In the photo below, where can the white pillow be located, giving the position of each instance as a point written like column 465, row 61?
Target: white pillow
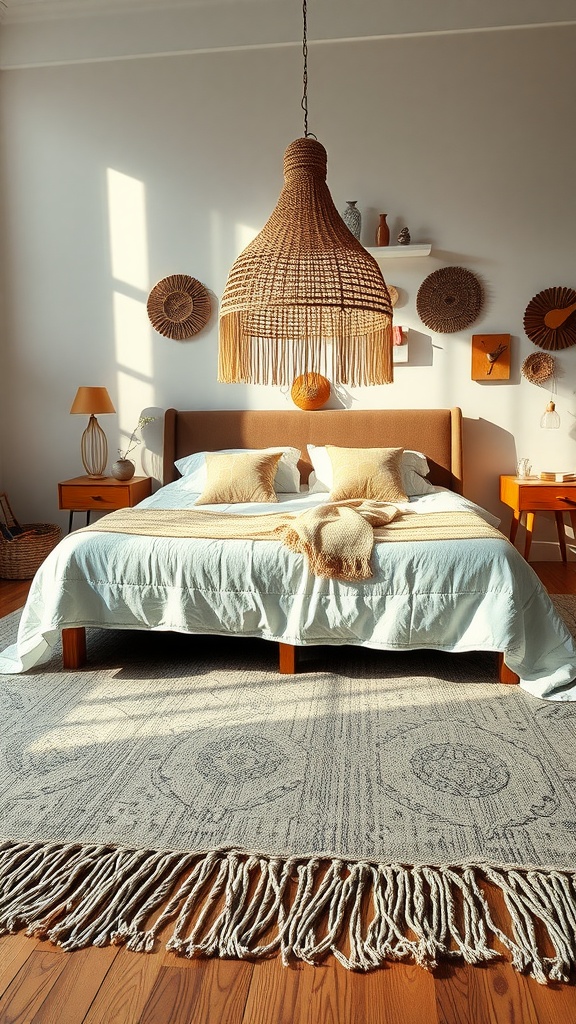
column 414, row 470
column 286, row 481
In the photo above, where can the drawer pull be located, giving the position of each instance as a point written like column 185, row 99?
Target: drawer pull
column 568, row 501
column 96, row 497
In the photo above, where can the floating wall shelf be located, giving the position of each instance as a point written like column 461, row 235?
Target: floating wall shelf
column 392, row 251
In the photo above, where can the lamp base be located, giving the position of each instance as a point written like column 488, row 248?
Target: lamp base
column 94, row 449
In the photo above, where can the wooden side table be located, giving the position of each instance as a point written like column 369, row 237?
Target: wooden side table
column 532, row 495
column 102, row 494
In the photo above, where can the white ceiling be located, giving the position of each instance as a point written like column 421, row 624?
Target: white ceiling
column 432, row 14
column 36, row 32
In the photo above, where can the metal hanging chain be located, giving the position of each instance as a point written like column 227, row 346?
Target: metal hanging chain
column 304, row 103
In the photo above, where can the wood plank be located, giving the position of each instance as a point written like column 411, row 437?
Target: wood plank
column 13, row 594
column 28, row 990
column 14, row 952
column 211, row 992
column 282, row 994
column 485, row 995
column 554, row 1004
column 125, row 989
column 71, row 996
column 395, row 994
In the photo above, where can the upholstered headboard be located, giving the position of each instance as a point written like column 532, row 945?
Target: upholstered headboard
column 436, row 432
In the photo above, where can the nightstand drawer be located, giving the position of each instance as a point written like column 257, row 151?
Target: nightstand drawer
column 550, row 498
column 83, row 494
column 93, row 497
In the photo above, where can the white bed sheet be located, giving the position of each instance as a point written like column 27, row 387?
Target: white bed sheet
column 458, row 595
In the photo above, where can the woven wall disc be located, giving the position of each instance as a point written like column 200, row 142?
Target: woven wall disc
column 538, row 367
column 449, row 299
column 310, row 391
column 178, row 307
column 393, row 293
column 550, row 301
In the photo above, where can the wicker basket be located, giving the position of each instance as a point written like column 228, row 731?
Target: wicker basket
column 23, row 548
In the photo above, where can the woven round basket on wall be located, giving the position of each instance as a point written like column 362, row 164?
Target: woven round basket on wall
column 310, row 391
column 538, row 367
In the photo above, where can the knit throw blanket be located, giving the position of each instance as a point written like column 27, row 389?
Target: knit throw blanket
column 337, row 538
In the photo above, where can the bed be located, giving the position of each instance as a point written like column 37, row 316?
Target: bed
column 442, row 594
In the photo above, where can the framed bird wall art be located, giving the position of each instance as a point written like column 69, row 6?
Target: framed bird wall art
column 490, row 357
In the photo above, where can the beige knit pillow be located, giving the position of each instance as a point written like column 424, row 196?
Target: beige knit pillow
column 236, row 478
column 371, row 473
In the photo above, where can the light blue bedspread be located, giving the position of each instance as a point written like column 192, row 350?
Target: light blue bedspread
column 460, row 595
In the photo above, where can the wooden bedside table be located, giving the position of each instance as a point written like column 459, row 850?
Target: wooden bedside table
column 103, row 494
column 532, row 495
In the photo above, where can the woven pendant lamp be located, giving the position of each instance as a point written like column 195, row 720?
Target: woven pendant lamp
column 305, row 296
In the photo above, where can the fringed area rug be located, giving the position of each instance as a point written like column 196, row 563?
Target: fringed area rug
column 363, row 808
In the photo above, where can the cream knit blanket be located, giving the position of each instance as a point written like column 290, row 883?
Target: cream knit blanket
column 337, row 538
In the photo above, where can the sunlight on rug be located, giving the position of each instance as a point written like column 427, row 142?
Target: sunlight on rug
column 360, row 809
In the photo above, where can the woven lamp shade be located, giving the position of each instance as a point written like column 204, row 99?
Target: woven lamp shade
column 305, row 295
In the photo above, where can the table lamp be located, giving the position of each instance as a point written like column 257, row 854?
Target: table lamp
column 94, row 446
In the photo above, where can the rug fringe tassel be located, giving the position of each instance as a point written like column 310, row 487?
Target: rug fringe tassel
column 232, row 904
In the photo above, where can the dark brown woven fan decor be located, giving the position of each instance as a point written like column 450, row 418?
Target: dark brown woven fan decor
column 550, row 318
column 178, row 307
column 449, row 300
column 305, row 295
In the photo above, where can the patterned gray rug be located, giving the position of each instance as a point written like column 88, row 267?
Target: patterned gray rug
column 268, row 810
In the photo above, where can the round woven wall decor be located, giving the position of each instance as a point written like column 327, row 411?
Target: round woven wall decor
column 178, row 306
column 393, row 293
column 549, row 320
column 449, row 299
column 310, row 391
column 538, row 367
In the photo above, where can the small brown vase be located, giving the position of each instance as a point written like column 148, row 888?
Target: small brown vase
column 382, row 231
column 123, row 469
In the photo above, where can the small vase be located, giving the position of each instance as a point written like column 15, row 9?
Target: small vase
column 382, row 231
column 353, row 218
column 123, row 469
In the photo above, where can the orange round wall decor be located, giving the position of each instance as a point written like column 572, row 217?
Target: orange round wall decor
column 310, row 391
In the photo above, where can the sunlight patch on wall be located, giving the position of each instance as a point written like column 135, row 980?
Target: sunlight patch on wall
column 127, row 225
column 129, row 265
column 133, row 342
column 244, row 235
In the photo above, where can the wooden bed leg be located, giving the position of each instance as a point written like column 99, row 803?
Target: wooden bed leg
column 74, row 647
column 505, row 675
column 287, row 659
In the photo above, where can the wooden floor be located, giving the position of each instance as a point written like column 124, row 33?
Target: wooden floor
column 42, row 985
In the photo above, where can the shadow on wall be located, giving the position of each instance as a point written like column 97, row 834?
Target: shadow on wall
column 152, row 445
column 489, row 450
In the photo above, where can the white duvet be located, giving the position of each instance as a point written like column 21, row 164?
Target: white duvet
column 457, row 595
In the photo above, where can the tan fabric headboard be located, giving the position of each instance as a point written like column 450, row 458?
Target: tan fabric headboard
column 436, row 432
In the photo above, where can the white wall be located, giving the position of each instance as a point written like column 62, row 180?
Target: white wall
column 116, row 174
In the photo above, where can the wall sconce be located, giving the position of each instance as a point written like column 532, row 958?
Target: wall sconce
column 94, row 446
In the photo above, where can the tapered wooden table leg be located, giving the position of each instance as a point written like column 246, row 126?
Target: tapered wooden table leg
column 74, row 647
column 514, row 525
column 561, row 535
column 529, row 532
column 505, row 674
column 287, row 659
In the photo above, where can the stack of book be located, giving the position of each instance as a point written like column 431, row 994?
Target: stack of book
column 557, row 478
